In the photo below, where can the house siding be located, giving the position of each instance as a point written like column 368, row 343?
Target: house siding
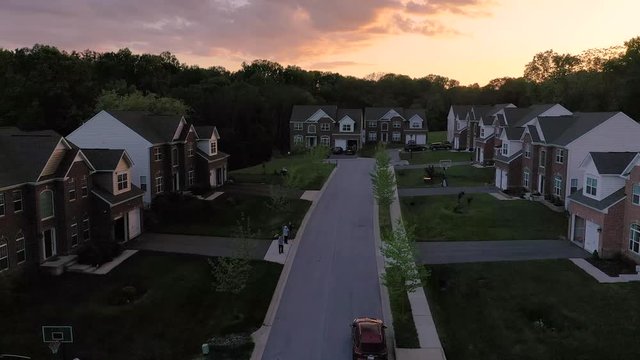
column 631, row 213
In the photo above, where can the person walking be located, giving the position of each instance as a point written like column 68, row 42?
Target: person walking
column 280, row 244
column 285, row 233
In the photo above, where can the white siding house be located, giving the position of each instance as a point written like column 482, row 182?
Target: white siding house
column 103, row 131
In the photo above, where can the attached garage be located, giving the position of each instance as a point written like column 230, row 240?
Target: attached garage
column 134, row 223
column 502, row 178
column 342, row 143
column 591, row 237
column 421, row 139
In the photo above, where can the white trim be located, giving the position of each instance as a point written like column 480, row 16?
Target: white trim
column 118, row 203
column 634, row 229
column 65, row 144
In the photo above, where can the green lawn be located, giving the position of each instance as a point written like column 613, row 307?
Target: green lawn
column 220, row 216
column 178, row 312
column 309, row 170
column 463, row 175
column 437, row 136
column 532, row 310
column 487, row 218
column 428, row 156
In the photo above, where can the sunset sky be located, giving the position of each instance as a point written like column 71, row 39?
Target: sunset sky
column 467, row 40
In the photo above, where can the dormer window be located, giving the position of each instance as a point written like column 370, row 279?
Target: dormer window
column 592, row 186
column 416, row 124
column 346, row 128
column 505, row 149
column 482, row 132
column 214, row 147
column 123, row 181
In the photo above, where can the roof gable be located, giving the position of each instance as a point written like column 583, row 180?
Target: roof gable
column 612, row 163
column 157, row 129
column 319, row 114
column 106, row 159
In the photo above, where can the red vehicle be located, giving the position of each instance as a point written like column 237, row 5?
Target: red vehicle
column 368, row 339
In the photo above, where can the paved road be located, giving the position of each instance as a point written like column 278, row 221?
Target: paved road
column 197, row 245
column 447, row 252
column 446, row 190
column 333, row 278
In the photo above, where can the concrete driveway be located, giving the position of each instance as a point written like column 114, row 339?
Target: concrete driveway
column 449, row 252
column 446, row 190
column 197, row 245
column 334, row 276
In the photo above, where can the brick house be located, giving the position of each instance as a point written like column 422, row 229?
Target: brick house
column 47, row 198
column 395, row 125
column 604, row 214
column 457, row 126
column 552, row 148
column 347, row 132
column 163, row 148
column 312, row 125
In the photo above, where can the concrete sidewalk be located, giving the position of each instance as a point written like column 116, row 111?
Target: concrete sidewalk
column 433, row 191
column 600, row 276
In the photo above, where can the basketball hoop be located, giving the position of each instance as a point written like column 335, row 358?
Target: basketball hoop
column 54, row 346
column 445, row 164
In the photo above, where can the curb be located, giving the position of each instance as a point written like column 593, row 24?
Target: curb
column 261, row 336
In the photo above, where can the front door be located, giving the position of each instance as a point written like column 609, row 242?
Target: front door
column 541, row 184
column 384, row 137
column 478, row 159
column 119, row 230
column 176, row 182
column 49, row 243
column 311, row 141
column 219, row 179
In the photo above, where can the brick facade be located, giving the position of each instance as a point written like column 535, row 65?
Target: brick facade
column 610, row 242
column 631, row 213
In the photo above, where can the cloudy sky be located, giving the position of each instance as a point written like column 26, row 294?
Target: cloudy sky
column 468, row 40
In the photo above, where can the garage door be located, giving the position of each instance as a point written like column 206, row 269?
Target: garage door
column 421, row 139
column 134, row 223
column 505, row 180
column 498, row 177
column 591, row 237
column 341, row 143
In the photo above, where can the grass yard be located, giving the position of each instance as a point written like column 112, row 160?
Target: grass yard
column 437, row 136
column 532, row 310
column 487, row 218
column 220, row 216
column 428, row 156
column 305, row 171
column 178, row 312
column 463, row 175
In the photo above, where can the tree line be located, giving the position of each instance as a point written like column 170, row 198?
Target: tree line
column 43, row 87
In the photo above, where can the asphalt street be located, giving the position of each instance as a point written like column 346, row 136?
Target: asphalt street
column 333, row 277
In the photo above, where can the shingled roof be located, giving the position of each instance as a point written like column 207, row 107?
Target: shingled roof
column 23, row 154
column 612, row 163
column 207, row 132
column 354, row 114
column 156, row 129
column 303, row 112
column 562, row 130
column 600, row 205
column 375, row 113
column 104, row 159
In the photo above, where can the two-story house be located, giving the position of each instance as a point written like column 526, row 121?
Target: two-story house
column 347, row 132
column 484, row 120
column 395, row 125
column 604, row 214
column 312, row 125
column 50, row 193
column 163, row 147
column 547, row 156
column 457, row 126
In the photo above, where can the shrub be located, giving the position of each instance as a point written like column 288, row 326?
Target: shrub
column 200, row 189
column 96, row 253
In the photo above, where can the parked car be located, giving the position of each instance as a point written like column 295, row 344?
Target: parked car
column 350, row 151
column 369, row 341
column 412, row 146
column 337, row 150
column 445, row 145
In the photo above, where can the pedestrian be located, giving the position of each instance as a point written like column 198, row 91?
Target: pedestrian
column 285, row 233
column 280, row 244
column 290, row 226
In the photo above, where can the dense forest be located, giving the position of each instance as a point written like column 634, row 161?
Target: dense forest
column 43, row 87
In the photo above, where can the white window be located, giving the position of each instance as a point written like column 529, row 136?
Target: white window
column 635, row 198
column 123, row 181
column 527, row 150
column 505, row 149
column 543, row 157
column 416, row 124
column 21, row 254
column 1, row 204
column 191, row 178
column 559, row 156
column 372, row 136
column 85, row 228
column 143, row 183
column 17, row 201
column 297, row 126
column 4, row 254
column 84, row 190
column 395, row 136
column 634, row 238
column 526, row 177
column 324, row 140
column 174, row 156
column 190, row 150
column 311, row 129
column 371, row 124
column 592, row 186
column 213, row 147
column 74, row 235
column 46, row 205
column 298, row 139
column 325, row 127
column 397, row 124
column 482, row 132
column 574, row 185
column 346, row 128
column 557, row 186
column 157, row 154
column 384, row 126
column 72, row 189
column 159, row 184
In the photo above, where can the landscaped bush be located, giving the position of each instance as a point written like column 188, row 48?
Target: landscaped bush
column 96, row 253
column 515, row 191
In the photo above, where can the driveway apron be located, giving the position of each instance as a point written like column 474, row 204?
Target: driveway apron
column 333, row 277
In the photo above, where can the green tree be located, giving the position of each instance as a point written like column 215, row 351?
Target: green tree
column 137, row 101
column 382, row 178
